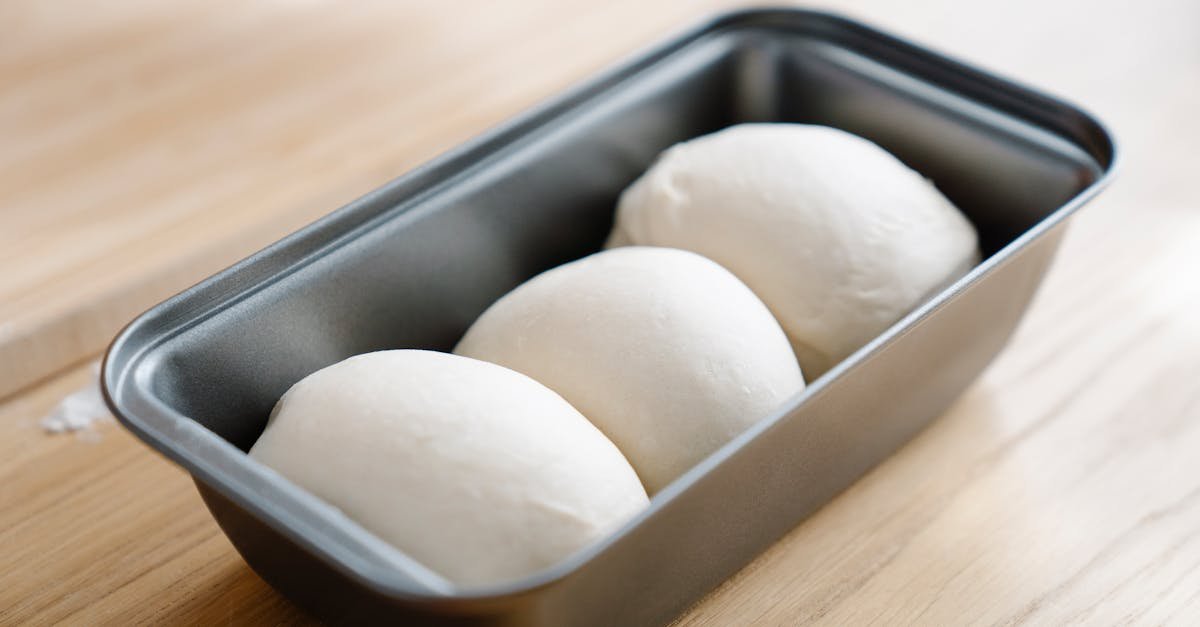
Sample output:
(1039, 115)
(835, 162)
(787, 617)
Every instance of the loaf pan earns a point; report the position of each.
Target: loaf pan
(413, 263)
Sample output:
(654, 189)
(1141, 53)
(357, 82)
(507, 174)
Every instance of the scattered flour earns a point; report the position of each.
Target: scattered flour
(80, 410)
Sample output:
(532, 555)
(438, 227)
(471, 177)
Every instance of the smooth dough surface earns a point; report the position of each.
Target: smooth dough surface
(838, 237)
(478, 472)
(664, 350)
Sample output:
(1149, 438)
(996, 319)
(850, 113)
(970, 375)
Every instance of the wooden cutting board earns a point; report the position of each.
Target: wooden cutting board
(146, 145)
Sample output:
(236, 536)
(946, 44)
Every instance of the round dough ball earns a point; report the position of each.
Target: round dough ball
(664, 350)
(838, 237)
(478, 472)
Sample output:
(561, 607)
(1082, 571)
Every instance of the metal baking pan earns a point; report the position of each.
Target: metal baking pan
(413, 264)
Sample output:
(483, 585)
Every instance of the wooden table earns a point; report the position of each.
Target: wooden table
(148, 144)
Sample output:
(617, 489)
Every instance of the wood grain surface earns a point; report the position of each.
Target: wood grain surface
(149, 144)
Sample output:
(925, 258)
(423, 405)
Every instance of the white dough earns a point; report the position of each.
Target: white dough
(478, 472)
(664, 350)
(838, 237)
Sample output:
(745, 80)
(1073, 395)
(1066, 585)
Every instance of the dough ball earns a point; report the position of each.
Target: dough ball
(664, 350)
(838, 237)
(480, 473)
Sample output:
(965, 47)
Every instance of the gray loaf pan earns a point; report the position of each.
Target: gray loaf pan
(413, 263)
